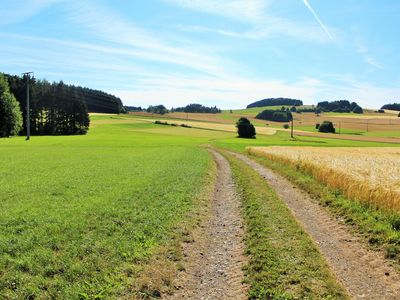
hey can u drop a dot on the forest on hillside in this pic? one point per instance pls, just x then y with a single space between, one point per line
393 106
197 108
276 102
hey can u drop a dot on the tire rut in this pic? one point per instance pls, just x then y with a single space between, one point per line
214 259
364 274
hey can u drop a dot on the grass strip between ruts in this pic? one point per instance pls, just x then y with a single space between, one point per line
284 263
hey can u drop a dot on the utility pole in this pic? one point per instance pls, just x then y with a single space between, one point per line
28 118
291 130
289 115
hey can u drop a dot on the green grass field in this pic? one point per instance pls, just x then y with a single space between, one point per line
81 215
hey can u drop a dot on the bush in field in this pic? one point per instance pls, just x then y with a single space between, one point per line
10 112
245 128
161 123
286 126
358 110
326 126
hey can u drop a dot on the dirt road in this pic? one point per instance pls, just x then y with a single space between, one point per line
214 260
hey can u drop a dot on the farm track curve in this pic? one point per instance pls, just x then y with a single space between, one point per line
363 273
214 258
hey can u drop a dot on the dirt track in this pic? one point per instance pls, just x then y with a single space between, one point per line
365 274
214 259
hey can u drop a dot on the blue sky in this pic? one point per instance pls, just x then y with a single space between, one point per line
214 52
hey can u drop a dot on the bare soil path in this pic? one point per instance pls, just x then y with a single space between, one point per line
214 259
364 273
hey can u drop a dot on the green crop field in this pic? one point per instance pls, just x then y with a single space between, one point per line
81 215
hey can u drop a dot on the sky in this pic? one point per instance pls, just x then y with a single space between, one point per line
227 53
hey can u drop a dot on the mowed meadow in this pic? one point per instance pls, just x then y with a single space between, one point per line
79 214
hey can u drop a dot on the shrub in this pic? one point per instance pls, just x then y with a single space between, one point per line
245 128
161 123
286 126
326 126
317 126
358 110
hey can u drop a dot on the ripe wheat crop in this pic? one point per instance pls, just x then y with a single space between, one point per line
370 175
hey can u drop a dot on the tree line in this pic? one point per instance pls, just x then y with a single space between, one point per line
341 106
56 108
197 108
393 106
161 109
276 102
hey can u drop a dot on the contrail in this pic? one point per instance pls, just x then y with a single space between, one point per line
317 18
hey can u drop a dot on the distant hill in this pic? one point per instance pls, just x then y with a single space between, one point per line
276 102
393 106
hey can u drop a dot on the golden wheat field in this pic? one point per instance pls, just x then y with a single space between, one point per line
370 175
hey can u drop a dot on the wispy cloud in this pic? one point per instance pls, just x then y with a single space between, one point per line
307 4
365 53
242 10
257 14
125 36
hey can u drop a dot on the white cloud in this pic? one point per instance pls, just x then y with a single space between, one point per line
231 92
256 13
237 92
